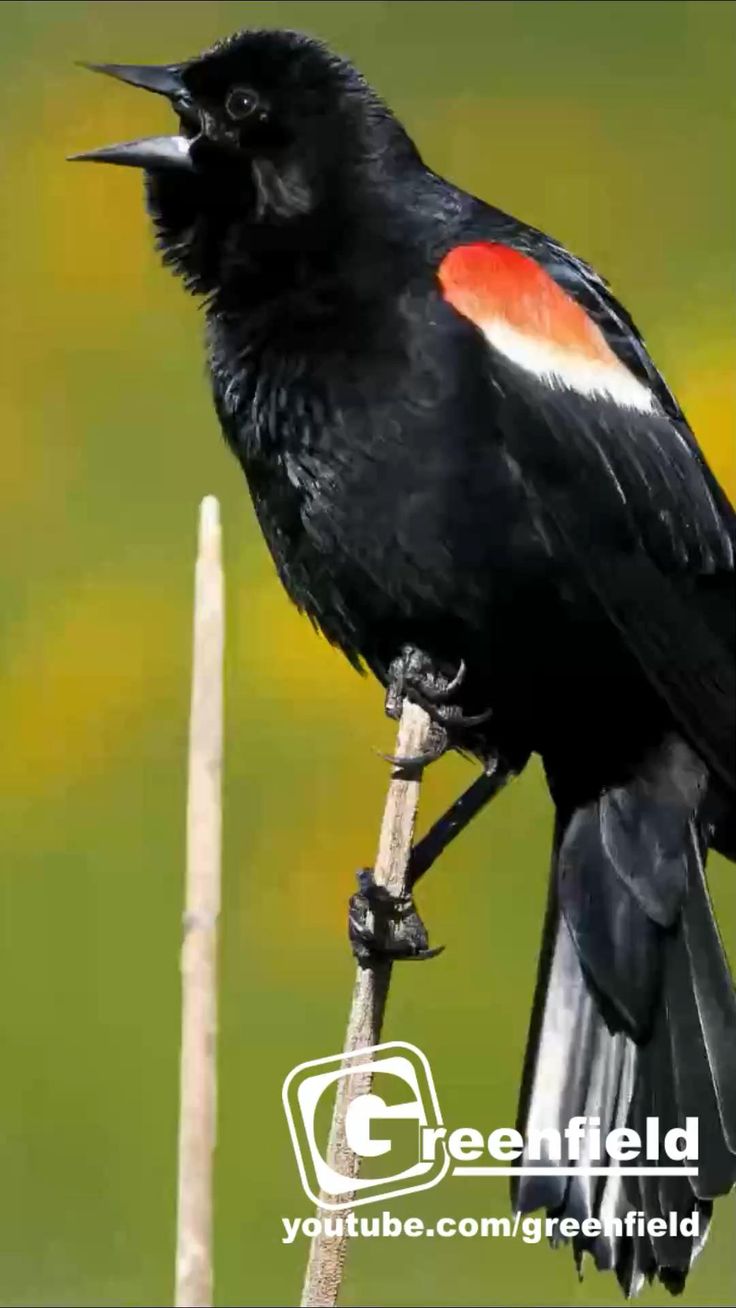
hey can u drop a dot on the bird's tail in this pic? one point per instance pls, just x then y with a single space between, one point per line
634 1017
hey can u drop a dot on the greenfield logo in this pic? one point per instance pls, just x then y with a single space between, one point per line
383 1126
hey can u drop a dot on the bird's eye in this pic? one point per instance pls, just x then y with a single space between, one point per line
242 103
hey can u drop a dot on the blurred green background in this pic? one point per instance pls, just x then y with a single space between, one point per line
610 125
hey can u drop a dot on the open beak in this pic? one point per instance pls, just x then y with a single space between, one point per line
152 152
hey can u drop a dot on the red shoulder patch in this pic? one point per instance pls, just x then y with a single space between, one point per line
526 316
486 281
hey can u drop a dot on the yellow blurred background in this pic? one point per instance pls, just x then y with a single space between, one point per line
611 125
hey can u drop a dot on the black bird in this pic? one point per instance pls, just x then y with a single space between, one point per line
473 479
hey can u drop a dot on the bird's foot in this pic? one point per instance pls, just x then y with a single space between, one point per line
383 926
413 676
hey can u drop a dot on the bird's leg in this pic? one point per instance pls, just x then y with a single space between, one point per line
382 925
495 775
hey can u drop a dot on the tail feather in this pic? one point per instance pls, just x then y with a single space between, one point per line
583 1061
694 1078
713 991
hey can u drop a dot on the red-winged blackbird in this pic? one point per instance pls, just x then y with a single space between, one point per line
463 458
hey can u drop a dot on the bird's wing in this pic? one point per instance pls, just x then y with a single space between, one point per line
594 295
612 473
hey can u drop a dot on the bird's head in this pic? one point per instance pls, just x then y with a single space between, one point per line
276 139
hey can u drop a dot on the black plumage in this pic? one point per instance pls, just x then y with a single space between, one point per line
487 467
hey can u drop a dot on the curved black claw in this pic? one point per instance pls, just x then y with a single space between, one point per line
414 762
447 715
385 927
438 693
470 719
